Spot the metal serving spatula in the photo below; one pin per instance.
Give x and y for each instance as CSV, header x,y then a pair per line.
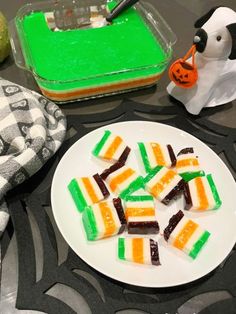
x,y
76,14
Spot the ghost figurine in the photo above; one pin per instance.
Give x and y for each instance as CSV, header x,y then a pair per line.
x,y
215,60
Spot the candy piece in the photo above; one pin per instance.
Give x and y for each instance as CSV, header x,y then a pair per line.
x,y
138,250
111,147
140,215
104,219
124,180
187,164
201,194
87,190
185,235
164,184
154,154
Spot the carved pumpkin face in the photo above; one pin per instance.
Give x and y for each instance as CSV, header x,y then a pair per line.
x,y
183,74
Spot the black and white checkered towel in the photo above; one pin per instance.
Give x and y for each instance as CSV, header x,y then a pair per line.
x,y
31,130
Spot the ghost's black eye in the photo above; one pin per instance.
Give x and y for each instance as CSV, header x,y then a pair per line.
x,y
218,38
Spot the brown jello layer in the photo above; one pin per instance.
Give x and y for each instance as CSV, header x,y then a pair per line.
x,y
101,185
111,169
172,155
173,222
143,227
174,193
154,253
120,212
187,196
124,155
187,150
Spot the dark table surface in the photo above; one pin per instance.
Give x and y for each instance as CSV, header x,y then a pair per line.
x,y
180,15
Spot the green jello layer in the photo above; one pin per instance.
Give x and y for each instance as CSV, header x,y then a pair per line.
x,y
77,195
89,223
138,198
187,176
199,244
214,191
144,156
152,173
121,248
101,143
80,58
134,186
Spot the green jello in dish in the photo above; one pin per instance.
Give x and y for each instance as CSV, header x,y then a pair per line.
x,y
87,62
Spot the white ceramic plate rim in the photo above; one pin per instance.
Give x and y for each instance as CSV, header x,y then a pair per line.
x,y
106,271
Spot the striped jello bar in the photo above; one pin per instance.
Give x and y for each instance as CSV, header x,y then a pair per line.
x,y
164,184
201,194
185,235
111,147
123,180
104,219
87,190
154,154
139,250
187,164
140,214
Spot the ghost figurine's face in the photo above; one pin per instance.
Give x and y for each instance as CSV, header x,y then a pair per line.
x,y
215,43
213,39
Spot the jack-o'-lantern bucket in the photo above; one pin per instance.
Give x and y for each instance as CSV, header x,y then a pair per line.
x,y
183,73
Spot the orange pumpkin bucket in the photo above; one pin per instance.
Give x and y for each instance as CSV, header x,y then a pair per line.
x,y
184,74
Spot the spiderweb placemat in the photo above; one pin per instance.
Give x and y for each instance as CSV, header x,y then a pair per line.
x,y
215,293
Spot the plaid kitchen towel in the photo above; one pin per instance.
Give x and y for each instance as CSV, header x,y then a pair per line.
x,y
31,130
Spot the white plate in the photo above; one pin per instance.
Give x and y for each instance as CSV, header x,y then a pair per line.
x,y
176,268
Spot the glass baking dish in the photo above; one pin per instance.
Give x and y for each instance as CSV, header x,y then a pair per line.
x,y
73,57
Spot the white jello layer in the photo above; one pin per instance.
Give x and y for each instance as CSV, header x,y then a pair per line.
x,y
139,204
195,197
141,218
